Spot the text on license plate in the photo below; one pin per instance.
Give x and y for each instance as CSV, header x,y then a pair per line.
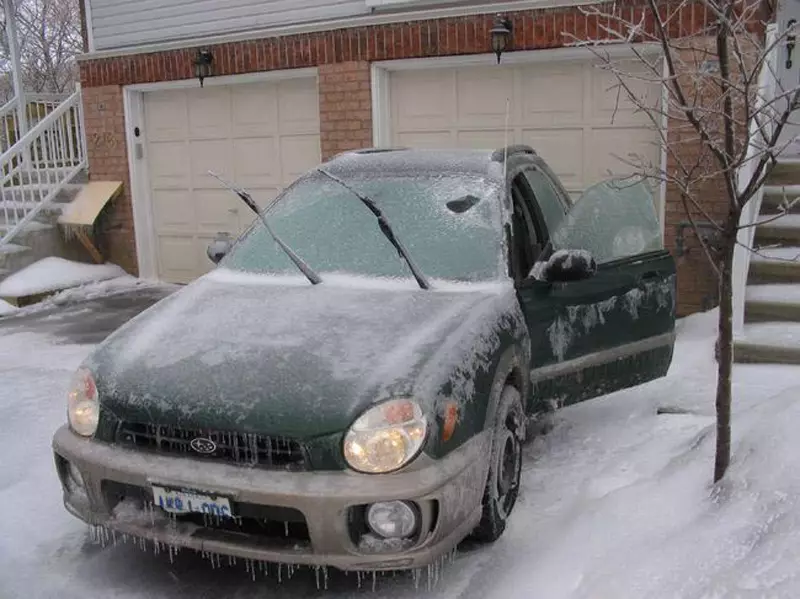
x,y
188,502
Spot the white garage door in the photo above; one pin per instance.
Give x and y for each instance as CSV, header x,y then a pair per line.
x,y
260,135
565,110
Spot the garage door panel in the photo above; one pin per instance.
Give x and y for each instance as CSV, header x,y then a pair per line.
x,y
177,257
205,155
483,96
169,165
216,211
256,162
165,116
299,153
552,95
478,140
609,156
209,112
562,149
298,106
612,104
425,139
255,110
562,108
260,135
173,210
423,100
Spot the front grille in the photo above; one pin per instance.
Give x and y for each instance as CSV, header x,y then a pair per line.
x,y
244,449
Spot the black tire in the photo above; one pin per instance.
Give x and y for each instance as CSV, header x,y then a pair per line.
x,y
505,467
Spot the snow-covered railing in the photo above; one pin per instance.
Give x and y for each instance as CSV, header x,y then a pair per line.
x,y
36,168
9,125
767,86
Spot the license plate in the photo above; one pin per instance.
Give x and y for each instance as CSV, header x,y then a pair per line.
x,y
191,502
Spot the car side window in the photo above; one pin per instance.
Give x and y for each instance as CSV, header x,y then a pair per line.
x,y
527,239
613,220
551,205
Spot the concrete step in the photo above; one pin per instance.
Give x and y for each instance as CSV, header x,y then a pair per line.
x,y
775,265
14,257
769,343
772,303
783,229
787,171
775,196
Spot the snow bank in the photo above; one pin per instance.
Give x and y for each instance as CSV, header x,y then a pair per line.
x,y
6,308
55,274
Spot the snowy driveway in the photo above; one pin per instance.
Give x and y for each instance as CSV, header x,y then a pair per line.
x,y
616,501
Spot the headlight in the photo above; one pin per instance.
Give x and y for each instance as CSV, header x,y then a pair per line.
x,y
386,437
83,407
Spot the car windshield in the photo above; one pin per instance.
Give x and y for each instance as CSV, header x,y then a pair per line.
x,y
450,225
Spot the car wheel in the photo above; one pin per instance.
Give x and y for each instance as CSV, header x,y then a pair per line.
x,y
505,467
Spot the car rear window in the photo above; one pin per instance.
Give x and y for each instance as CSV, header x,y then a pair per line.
x,y
448,236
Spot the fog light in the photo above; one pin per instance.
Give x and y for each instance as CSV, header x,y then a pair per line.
x,y
392,519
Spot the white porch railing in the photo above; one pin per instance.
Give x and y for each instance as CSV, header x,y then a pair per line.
x,y
767,88
38,166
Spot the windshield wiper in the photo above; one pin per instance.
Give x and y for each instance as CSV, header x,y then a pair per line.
x,y
247,199
385,227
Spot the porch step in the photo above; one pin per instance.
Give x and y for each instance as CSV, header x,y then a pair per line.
x,y
776,195
772,303
769,343
778,229
775,265
786,171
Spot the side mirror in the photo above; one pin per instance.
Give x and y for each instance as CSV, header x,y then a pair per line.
x,y
564,266
219,247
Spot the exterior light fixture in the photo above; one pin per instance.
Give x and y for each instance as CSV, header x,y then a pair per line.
x,y
501,36
202,65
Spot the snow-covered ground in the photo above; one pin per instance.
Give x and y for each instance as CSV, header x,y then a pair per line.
x,y
617,501
54,274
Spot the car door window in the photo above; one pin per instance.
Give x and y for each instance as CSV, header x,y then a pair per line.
x,y
527,241
613,220
551,205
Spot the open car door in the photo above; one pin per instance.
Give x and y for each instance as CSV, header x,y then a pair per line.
x,y
611,328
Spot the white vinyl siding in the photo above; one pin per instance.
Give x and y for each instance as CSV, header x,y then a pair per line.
x,y
124,23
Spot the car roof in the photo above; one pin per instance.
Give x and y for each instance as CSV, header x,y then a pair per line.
x,y
410,162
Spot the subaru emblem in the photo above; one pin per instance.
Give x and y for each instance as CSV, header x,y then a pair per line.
x,y
203,445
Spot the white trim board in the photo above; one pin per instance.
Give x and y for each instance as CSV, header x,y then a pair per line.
x,y
141,200
380,70
363,20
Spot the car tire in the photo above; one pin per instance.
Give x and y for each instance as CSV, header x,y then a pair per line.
x,y
505,467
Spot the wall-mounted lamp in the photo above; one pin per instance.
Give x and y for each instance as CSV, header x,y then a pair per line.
x,y
501,36
202,65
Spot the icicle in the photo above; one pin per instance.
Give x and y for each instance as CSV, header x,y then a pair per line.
x,y
325,577
316,575
253,571
279,573
358,578
114,536
286,529
374,580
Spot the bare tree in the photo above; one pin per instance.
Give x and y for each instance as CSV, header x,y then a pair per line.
x,y
49,35
724,131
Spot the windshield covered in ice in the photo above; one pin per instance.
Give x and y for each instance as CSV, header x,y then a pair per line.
x,y
450,225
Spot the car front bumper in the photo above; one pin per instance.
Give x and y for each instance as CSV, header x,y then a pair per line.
x,y
448,492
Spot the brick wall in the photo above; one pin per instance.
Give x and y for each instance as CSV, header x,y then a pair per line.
x,y
108,160
343,57
345,107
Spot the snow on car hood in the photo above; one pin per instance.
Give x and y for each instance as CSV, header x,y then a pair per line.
x,y
276,355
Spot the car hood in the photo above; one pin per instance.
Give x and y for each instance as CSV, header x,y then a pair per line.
x,y
275,355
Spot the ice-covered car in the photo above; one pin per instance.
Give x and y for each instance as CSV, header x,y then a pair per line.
x,y
351,385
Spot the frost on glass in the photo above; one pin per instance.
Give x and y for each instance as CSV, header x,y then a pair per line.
x,y
612,220
333,231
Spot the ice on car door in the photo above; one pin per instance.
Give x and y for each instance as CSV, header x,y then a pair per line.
x,y
615,329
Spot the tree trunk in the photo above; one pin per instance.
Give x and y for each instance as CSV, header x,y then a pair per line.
x,y
725,359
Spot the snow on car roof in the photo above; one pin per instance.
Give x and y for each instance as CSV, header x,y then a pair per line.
x,y
407,161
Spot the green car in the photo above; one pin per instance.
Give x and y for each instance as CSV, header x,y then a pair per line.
x,y
351,386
